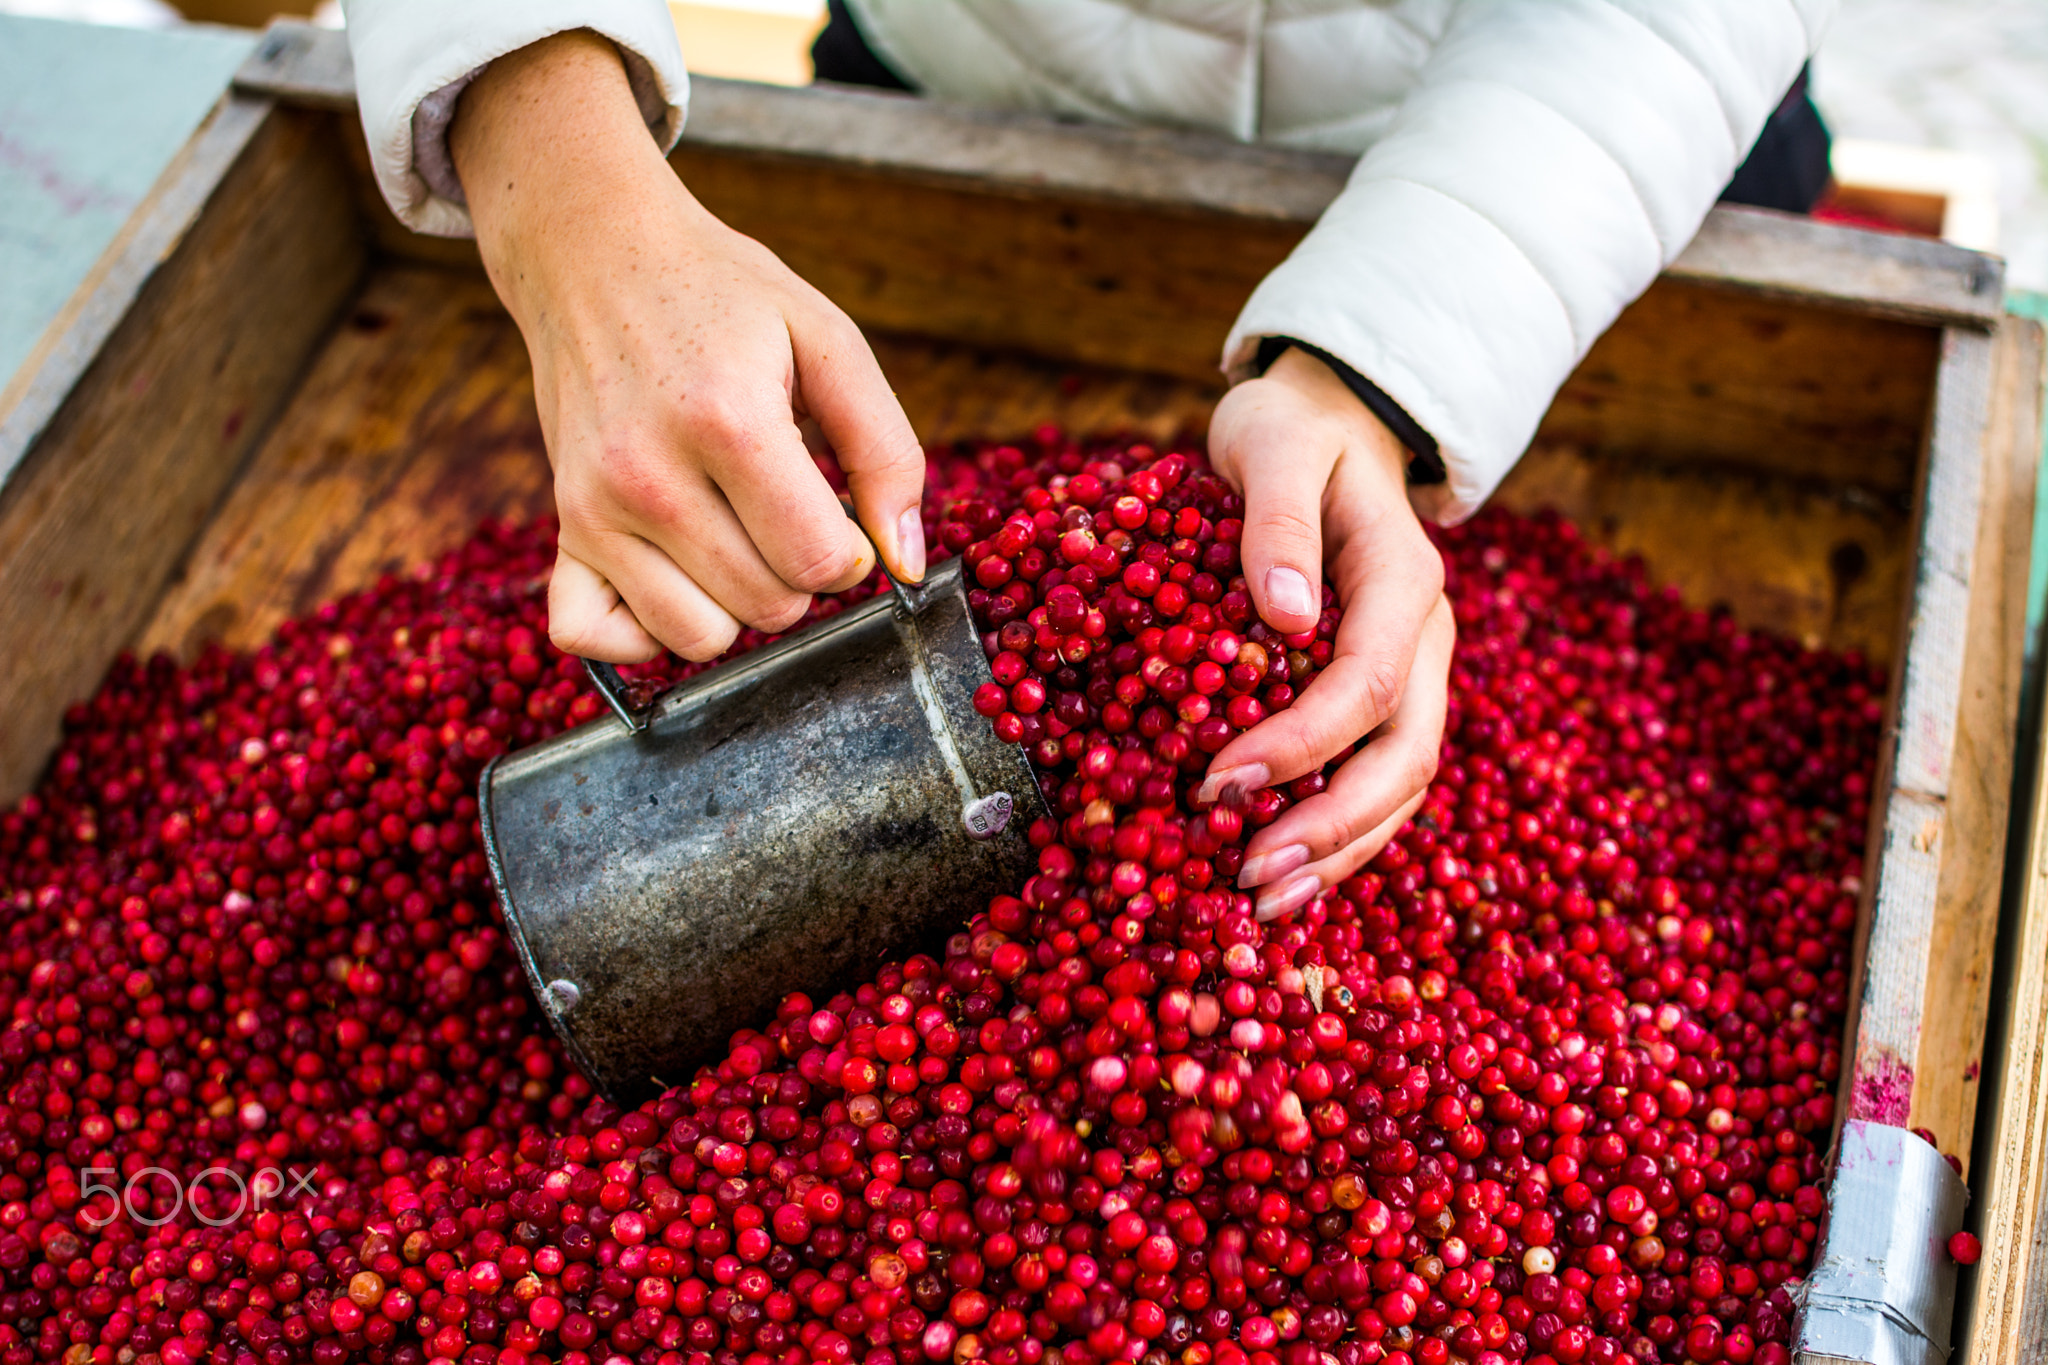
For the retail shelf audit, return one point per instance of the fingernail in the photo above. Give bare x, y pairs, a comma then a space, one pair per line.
1271, 867
1233, 785
1287, 592
1292, 896
910, 543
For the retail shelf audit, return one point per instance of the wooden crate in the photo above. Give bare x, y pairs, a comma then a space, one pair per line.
269, 393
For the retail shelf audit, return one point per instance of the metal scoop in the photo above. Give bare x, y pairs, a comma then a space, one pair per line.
786, 822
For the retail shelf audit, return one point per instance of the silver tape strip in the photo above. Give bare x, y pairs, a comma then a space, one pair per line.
1883, 1289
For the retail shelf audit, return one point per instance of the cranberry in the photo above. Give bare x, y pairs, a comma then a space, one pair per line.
1546, 1079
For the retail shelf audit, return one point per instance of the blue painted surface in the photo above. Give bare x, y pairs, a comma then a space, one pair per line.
89, 116
2031, 305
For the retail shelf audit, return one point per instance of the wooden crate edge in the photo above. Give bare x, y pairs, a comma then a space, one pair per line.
1030, 155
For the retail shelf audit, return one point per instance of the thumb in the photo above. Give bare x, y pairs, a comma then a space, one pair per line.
1282, 549
842, 388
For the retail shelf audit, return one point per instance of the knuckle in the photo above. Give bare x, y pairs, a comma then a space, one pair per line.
1420, 767
900, 456
1428, 573
640, 487
1285, 523
588, 639
819, 563
573, 637
836, 330
581, 508
780, 613
1340, 831
703, 641
1380, 686
716, 422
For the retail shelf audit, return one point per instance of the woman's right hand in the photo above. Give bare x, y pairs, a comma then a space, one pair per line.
673, 360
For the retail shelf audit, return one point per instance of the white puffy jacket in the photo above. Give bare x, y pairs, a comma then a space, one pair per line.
1527, 165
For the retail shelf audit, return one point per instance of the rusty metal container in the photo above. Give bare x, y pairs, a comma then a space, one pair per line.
783, 823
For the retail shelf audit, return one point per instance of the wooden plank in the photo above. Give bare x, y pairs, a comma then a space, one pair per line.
1963, 936
1889, 995
1099, 283
952, 393
1023, 155
214, 299
1039, 157
1881, 273
2006, 1296
414, 422
2005, 1299
1696, 375
303, 65
1032, 157
1687, 373
1826, 569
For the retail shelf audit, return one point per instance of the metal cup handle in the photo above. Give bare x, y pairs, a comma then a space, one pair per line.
612, 688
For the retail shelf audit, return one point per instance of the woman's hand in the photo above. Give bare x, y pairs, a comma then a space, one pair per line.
673, 360
1324, 483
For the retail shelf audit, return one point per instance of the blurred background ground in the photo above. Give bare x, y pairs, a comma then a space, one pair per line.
1963, 75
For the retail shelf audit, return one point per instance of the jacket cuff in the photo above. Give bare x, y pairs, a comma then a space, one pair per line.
413, 62
1425, 464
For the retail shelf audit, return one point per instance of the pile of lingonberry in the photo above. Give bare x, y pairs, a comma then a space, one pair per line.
1543, 1082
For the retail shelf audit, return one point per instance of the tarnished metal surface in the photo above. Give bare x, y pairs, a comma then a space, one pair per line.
1883, 1288
782, 823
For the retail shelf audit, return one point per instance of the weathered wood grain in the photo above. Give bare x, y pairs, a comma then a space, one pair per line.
1033, 157
1889, 992
1963, 933
1690, 374
415, 421
1104, 284
301, 64
1882, 273
1686, 373
2006, 1296
250, 260
1820, 566
2005, 1299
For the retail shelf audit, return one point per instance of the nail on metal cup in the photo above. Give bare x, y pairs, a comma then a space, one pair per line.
786, 822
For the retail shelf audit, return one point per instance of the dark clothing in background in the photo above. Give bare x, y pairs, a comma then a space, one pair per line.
1788, 167
842, 55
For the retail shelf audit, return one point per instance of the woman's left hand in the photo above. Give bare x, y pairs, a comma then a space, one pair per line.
1325, 482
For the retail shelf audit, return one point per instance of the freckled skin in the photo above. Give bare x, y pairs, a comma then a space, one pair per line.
679, 369
671, 380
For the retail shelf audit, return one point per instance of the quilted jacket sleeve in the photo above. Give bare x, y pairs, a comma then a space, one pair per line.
413, 58
1555, 155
